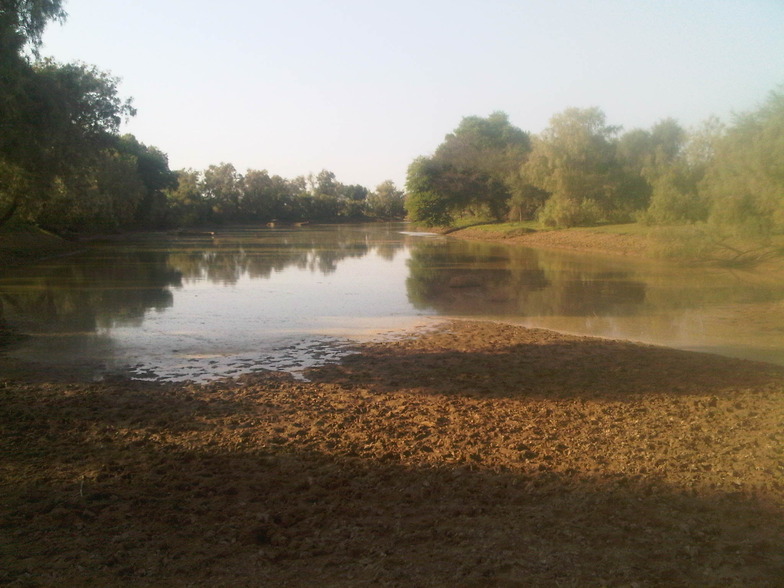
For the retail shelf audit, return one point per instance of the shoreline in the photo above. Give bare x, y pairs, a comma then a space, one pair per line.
584, 241
476, 453
622, 243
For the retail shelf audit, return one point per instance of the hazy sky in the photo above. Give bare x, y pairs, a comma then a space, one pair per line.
362, 87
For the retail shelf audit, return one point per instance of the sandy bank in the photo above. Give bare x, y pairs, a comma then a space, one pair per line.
572, 239
476, 455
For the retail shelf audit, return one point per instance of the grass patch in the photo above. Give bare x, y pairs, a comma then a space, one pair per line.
634, 229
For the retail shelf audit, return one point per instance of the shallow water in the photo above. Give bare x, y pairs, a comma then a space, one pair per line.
249, 299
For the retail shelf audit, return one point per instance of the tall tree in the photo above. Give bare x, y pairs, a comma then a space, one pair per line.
427, 202
472, 171
186, 202
386, 202
152, 169
22, 23
67, 116
222, 187
744, 181
574, 160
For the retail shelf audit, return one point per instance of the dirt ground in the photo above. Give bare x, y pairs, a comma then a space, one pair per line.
584, 241
477, 454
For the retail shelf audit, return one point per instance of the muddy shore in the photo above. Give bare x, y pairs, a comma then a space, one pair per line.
584, 241
477, 454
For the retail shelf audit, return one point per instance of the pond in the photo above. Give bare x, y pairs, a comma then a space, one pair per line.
199, 307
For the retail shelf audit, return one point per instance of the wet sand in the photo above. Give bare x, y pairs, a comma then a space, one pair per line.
477, 454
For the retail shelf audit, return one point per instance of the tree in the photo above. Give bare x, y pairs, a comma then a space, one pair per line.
62, 121
258, 199
152, 169
744, 180
103, 195
657, 176
58, 120
426, 202
386, 202
222, 187
472, 171
22, 23
187, 205
491, 145
574, 161
354, 200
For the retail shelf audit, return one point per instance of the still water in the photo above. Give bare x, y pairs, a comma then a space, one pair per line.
194, 307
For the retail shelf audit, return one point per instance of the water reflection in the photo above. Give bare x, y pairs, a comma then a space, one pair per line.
734, 313
487, 279
195, 307
257, 253
88, 293
253, 298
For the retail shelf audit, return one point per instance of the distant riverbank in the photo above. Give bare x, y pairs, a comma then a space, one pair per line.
632, 243
684, 244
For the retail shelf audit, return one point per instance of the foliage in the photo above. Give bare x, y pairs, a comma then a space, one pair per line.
59, 122
574, 160
744, 180
471, 172
220, 194
426, 203
725, 182
386, 202
22, 22
64, 165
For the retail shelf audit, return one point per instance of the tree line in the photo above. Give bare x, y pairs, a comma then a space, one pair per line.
221, 194
582, 171
65, 166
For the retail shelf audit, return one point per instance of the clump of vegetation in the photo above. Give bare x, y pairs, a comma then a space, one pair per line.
64, 165
719, 185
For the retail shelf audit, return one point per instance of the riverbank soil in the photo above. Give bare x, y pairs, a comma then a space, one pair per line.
679, 244
25, 244
477, 454
585, 240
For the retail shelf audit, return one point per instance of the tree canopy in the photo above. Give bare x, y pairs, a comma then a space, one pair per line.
728, 180
65, 166
472, 172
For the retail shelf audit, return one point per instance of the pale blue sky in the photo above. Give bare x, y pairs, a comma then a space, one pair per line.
362, 87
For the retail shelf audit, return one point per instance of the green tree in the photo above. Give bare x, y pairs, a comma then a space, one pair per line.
152, 169
744, 180
471, 173
658, 179
186, 202
222, 188
22, 23
354, 201
426, 202
491, 145
574, 161
103, 195
66, 118
258, 198
386, 202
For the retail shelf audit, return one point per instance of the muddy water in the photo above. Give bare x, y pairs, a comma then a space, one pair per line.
199, 307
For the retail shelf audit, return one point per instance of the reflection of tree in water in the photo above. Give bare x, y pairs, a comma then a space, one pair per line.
585, 286
260, 253
116, 286
479, 278
84, 293
472, 278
